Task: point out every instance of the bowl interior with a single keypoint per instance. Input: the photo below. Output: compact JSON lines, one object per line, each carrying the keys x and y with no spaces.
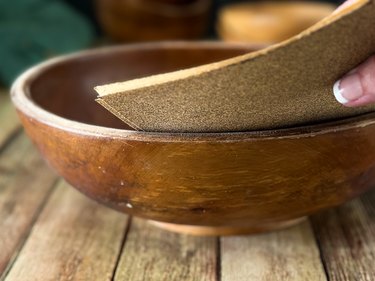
{"x":66,"y":88}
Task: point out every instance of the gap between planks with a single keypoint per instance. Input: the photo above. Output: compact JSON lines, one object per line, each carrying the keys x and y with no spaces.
{"x":154,"y":254}
{"x":125,"y":236}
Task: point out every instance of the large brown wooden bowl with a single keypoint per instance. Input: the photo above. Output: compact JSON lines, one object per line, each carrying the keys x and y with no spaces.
{"x":208,"y":183}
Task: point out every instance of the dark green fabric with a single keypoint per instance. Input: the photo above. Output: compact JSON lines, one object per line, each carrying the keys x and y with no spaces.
{"x":32,"y":30}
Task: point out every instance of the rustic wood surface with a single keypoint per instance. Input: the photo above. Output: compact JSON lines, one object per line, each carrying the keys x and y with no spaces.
{"x":48,"y":231}
{"x":347,"y":239}
{"x":25,"y":183}
{"x":291,"y":254}
{"x":73,"y":239}
{"x":155,"y":254}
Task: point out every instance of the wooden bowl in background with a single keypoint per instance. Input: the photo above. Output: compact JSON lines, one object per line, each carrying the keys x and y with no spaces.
{"x":269,"y":22}
{"x":151,"y":20}
{"x":216,"y":183}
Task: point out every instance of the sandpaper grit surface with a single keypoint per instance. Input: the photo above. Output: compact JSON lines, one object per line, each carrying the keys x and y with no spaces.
{"x":288,"y":85}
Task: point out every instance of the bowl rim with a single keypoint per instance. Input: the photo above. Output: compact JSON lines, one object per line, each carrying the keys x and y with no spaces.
{"x":21,"y":98}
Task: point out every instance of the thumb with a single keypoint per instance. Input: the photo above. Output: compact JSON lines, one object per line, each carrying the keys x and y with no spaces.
{"x":357,"y":88}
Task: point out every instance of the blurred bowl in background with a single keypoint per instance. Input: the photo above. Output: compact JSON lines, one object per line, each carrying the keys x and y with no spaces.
{"x":152,"y":20}
{"x":269,"y":22}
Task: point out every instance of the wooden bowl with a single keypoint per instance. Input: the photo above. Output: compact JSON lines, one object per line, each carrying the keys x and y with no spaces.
{"x":269,"y":22}
{"x":207,"y":183}
{"x":151,"y":20}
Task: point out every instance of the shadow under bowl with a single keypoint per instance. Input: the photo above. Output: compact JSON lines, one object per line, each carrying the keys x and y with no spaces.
{"x":208,"y":183}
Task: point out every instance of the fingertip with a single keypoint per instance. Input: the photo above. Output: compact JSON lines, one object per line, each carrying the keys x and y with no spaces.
{"x":338,"y":93}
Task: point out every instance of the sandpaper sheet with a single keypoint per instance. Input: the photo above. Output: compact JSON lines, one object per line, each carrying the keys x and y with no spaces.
{"x":286,"y":85}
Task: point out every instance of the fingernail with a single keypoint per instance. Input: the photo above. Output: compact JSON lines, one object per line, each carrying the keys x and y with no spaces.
{"x":348,"y":89}
{"x":338,"y":93}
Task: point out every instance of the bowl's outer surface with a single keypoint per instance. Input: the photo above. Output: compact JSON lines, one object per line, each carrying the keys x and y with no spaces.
{"x":231,"y":179}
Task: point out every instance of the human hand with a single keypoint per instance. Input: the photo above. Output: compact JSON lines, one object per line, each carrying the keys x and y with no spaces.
{"x":357,"y":88}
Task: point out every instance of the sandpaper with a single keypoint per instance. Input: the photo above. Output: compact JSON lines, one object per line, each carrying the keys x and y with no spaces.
{"x":285,"y":85}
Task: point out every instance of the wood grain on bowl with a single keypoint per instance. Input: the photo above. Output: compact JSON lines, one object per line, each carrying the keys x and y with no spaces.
{"x":254,"y":179}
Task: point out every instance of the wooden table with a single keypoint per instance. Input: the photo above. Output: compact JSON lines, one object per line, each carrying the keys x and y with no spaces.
{"x":49,"y":231}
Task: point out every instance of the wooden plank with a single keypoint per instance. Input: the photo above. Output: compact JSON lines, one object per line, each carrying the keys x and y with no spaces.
{"x":290,"y":254}
{"x":154,"y":254}
{"x":8,"y":118}
{"x":347,"y":239}
{"x":25,"y":182}
{"x":73,"y":239}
